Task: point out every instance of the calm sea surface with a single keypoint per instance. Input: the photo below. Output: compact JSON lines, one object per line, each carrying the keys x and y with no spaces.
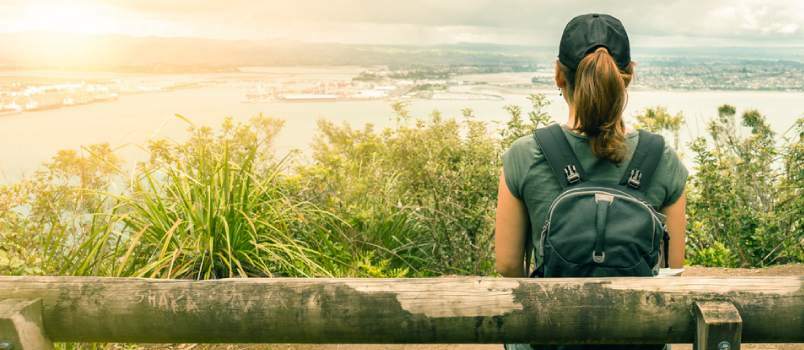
{"x":30,"y":138}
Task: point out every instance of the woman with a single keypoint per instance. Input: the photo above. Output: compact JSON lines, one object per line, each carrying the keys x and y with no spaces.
{"x":592,"y":72}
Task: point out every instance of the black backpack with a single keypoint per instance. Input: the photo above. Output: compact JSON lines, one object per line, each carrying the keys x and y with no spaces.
{"x":601,"y":229}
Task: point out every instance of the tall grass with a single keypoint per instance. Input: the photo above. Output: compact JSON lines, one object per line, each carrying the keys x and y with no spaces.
{"x":217,"y":206}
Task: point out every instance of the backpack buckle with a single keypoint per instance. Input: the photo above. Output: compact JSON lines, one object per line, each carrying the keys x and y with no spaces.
{"x":572,"y":174}
{"x":634,"y":178}
{"x":598,"y":258}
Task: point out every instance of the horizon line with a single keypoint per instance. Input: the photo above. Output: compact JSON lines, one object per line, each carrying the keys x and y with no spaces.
{"x":307,"y":42}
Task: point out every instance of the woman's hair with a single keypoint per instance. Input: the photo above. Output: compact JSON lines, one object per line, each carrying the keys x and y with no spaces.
{"x":597,"y":91}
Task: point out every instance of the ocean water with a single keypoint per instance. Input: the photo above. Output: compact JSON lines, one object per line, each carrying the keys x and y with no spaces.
{"x":30,"y":138}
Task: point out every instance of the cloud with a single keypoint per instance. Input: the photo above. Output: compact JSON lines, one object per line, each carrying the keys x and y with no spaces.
{"x":529,"y":22}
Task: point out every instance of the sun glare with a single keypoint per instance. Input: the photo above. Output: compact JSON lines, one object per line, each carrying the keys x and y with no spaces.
{"x":67,"y":29}
{"x":67,"y":17}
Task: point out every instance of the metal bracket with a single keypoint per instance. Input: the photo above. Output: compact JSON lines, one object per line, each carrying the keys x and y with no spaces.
{"x":21,"y":325}
{"x":598,"y":258}
{"x":719,"y":326}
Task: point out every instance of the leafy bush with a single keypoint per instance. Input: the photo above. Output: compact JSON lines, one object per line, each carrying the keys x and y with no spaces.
{"x":61,"y":220}
{"x":745,"y":202}
{"x":657,"y":119}
{"x":421,"y":193}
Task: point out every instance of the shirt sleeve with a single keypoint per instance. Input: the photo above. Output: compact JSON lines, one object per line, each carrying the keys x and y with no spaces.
{"x":676,"y":174}
{"x":515,"y":165}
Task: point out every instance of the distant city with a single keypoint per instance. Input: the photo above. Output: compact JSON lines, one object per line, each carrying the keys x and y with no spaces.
{"x":480,"y":81}
{"x":719,"y":74}
{"x":20,"y":94}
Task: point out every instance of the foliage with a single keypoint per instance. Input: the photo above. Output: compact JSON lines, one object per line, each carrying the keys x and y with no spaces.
{"x":60,"y":221}
{"x":412,"y":205}
{"x":420,"y":194}
{"x":221,"y":205}
{"x":516,"y":127}
{"x":657,"y":119}
{"x":745,"y":206}
{"x":414,"y":199}
{"x":217,"y":206}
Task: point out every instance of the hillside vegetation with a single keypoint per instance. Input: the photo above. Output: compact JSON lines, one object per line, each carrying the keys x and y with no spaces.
{"x":415,"y":199}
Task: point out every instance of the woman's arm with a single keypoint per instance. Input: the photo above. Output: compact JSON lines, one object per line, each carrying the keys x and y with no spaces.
{"x":677,"y":226}
{"x":510,"y":229}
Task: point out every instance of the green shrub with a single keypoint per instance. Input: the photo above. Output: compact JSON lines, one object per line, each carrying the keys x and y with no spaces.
{"x":745,"y":206}
{"x":657,"y":119}
{"x":61,"y":220}
{"x":422,"y":193}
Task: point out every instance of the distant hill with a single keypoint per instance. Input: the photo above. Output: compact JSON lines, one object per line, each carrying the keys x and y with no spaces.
{"x":48,"y":50}
{"x":35,"y":50}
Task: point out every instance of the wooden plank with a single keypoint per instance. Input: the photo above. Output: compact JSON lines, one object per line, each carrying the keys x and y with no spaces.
{"x":668,"y":272}
{"x":21,"y":325}
{"x":428,"y":310}
{"x":719,"y":326}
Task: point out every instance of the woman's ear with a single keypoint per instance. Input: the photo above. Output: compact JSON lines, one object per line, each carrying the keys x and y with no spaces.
{"x":561,"y":81}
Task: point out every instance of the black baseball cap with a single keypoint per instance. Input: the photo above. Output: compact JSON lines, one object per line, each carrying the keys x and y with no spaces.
{"x":585,"y":33}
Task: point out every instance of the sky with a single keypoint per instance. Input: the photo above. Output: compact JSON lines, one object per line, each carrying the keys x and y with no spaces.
{"x":520,"y":22}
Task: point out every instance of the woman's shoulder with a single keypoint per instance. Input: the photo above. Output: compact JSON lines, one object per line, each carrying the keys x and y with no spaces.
{"x":517,"y":160}
{"x":670,"y":177}
{"x":524,"y":141}
{"x":669,"y":153}
{"x":524,"y":149}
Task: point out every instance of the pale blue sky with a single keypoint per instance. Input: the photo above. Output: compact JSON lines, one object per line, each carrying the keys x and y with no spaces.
{"x":524,"y":22}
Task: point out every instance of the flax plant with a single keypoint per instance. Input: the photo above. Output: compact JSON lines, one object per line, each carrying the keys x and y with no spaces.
{"x":216,"y":207}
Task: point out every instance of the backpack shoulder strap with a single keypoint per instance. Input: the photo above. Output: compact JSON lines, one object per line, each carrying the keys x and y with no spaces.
{"x":639,"y":172}
{"x":556,"y":149}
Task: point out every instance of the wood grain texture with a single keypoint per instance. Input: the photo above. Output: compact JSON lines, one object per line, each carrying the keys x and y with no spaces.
{"x":427,"y":310}
{"x":21,"y":325}
{"x":719,"y":326}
